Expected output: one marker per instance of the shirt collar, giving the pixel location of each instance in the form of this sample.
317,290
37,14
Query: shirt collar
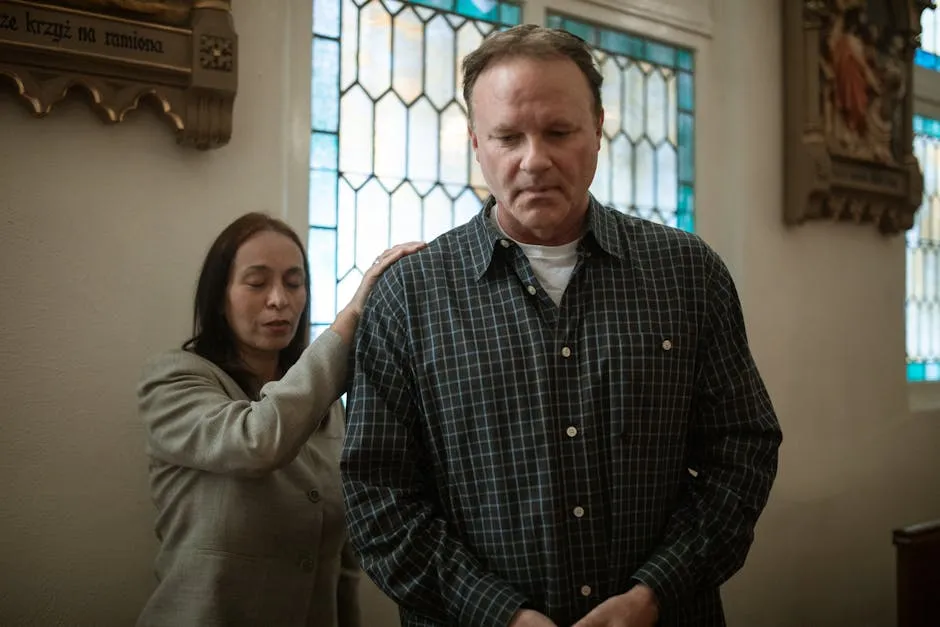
485,238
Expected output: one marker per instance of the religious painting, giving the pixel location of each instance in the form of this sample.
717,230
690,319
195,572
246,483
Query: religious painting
178,55
849,112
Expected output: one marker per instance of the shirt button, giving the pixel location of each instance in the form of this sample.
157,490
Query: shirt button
566,352
504,243
306,562
530,289
578,511
667,345
314,496
585,591
571,431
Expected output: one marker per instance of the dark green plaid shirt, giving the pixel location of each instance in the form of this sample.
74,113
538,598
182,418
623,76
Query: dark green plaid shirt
504,451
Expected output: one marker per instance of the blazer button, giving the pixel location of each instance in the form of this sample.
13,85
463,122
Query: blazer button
314,496
306,565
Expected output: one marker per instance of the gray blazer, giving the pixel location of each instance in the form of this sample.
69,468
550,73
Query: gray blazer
250,507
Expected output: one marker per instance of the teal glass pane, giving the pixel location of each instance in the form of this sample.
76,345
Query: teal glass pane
686,149
323,151
326,18
686,199
510,14
616,42
686,92
445,5
926,126
322,208
932,128
582,30
637,48
927,60
685,215
479,9
660,54
684,60
325,85
916,372
554,21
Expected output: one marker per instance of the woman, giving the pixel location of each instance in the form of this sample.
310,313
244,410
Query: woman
244,431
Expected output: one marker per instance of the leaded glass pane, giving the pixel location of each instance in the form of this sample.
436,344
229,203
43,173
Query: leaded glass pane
923,261
391,140
389,156
928,55
439,82
646,164
621,162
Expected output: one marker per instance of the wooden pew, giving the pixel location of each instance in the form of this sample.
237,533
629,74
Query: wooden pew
918,574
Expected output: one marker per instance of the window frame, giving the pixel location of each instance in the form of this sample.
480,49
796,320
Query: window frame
923,396
669,21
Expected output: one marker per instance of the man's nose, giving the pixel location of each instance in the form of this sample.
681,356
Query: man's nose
536,158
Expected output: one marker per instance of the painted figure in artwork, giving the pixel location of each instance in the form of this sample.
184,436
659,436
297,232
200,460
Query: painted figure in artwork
853,74
863,83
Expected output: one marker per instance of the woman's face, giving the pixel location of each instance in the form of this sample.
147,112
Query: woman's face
266,294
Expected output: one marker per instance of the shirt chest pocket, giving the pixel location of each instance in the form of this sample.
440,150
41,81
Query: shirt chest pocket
651,383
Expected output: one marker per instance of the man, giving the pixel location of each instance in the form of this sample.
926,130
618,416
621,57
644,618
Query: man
555,418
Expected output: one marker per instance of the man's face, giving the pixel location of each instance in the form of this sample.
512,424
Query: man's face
536,138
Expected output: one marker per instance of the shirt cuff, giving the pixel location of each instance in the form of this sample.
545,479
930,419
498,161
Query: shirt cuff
489,602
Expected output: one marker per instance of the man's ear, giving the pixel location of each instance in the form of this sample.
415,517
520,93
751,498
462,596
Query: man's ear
473,141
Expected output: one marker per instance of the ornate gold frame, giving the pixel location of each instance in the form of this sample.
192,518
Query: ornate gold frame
180,54
849,110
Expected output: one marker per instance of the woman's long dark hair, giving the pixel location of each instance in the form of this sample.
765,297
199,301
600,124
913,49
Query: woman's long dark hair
213,338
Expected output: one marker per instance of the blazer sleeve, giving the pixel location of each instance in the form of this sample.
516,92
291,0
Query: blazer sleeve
347,602
192,421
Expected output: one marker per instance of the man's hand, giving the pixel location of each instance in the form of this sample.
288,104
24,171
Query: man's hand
636,608
530,618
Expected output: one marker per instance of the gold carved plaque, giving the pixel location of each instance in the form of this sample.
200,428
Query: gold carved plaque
849,111
180,54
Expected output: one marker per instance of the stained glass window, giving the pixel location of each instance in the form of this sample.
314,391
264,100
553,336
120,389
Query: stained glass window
389,156
646,165
923,261
928,55
390,160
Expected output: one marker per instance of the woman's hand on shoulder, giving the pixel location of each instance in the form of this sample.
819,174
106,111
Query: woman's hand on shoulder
380,265
347,320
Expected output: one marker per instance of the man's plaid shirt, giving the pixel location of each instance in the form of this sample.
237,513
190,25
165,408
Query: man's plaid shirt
503,451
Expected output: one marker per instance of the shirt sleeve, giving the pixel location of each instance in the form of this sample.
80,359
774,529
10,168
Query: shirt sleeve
393,514
191,421
734,442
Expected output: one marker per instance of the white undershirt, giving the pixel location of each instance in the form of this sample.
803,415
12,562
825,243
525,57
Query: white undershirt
552,265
